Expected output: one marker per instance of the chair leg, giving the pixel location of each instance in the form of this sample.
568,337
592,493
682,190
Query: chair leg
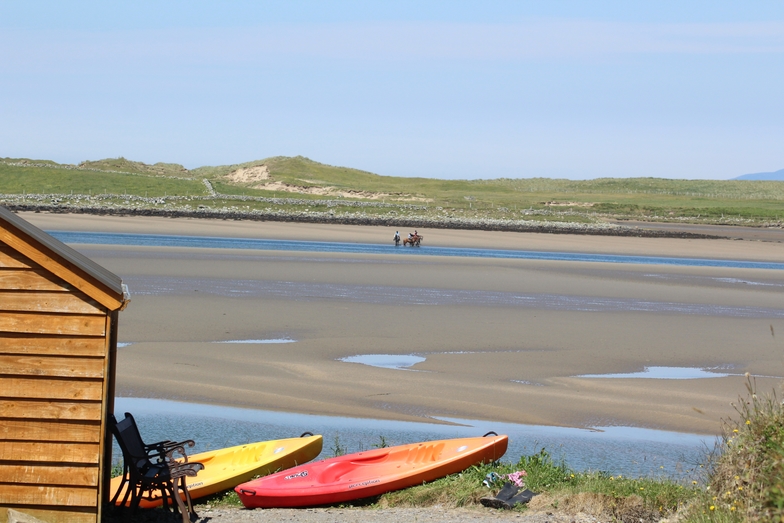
187,513
128,493
123,483
191,510
136,497
167,493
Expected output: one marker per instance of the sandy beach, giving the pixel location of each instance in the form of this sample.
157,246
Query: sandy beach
503,340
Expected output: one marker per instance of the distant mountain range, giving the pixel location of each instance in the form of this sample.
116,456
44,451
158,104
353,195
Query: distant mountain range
775,176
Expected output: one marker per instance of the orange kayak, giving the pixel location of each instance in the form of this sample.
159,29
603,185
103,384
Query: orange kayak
370,473
226,468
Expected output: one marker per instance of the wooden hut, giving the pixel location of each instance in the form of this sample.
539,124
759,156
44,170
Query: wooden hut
58,342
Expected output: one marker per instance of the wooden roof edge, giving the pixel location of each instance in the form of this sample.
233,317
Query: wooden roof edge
103,279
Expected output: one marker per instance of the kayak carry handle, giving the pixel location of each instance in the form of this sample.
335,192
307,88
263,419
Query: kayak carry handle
248,492
305,434
491,432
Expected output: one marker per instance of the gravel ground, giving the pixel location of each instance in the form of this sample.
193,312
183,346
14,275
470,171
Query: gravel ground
387,515
433,514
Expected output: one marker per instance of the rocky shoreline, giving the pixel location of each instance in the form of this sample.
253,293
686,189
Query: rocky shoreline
422,222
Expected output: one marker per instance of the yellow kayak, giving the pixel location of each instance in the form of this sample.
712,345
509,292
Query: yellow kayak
226,468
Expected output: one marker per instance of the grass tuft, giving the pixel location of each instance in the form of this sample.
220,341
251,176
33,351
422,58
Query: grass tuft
559,489
747,478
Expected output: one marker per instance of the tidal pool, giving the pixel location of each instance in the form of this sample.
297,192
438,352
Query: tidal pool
386,361
274,340
630,451
666,373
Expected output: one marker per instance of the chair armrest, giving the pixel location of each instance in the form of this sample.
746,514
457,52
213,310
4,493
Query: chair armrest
164,450
178,470
167,444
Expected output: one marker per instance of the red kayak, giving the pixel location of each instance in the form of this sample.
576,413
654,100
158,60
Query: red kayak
370,473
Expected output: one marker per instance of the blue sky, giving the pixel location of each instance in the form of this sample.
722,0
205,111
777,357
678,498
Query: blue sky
445,89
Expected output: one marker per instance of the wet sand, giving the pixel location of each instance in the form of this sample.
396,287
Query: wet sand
501,361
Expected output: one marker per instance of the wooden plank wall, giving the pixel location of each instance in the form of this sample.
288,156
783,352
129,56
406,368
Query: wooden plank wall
53,356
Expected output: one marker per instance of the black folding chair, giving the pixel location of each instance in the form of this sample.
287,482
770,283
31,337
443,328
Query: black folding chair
151,472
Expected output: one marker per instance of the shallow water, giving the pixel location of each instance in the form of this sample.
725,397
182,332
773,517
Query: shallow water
404,361
273,340
386,361
387,294
629,451
160,240
666,373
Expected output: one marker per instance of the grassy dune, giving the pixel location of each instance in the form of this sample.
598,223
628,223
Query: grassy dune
41,177
298,178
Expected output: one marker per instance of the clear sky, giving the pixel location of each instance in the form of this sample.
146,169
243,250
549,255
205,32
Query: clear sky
447,89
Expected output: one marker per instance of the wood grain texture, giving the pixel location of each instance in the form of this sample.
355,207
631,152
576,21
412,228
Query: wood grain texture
49,410
54,366
56,515
76,431
58,302
50,388
11,258
19,343
49,452
49,474
37,323
31,280
45,495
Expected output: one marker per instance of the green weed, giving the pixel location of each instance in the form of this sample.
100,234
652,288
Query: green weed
748,476
338,449
382,443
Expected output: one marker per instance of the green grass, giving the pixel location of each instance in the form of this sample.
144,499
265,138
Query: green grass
557,486
540,199
44,180
129,166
